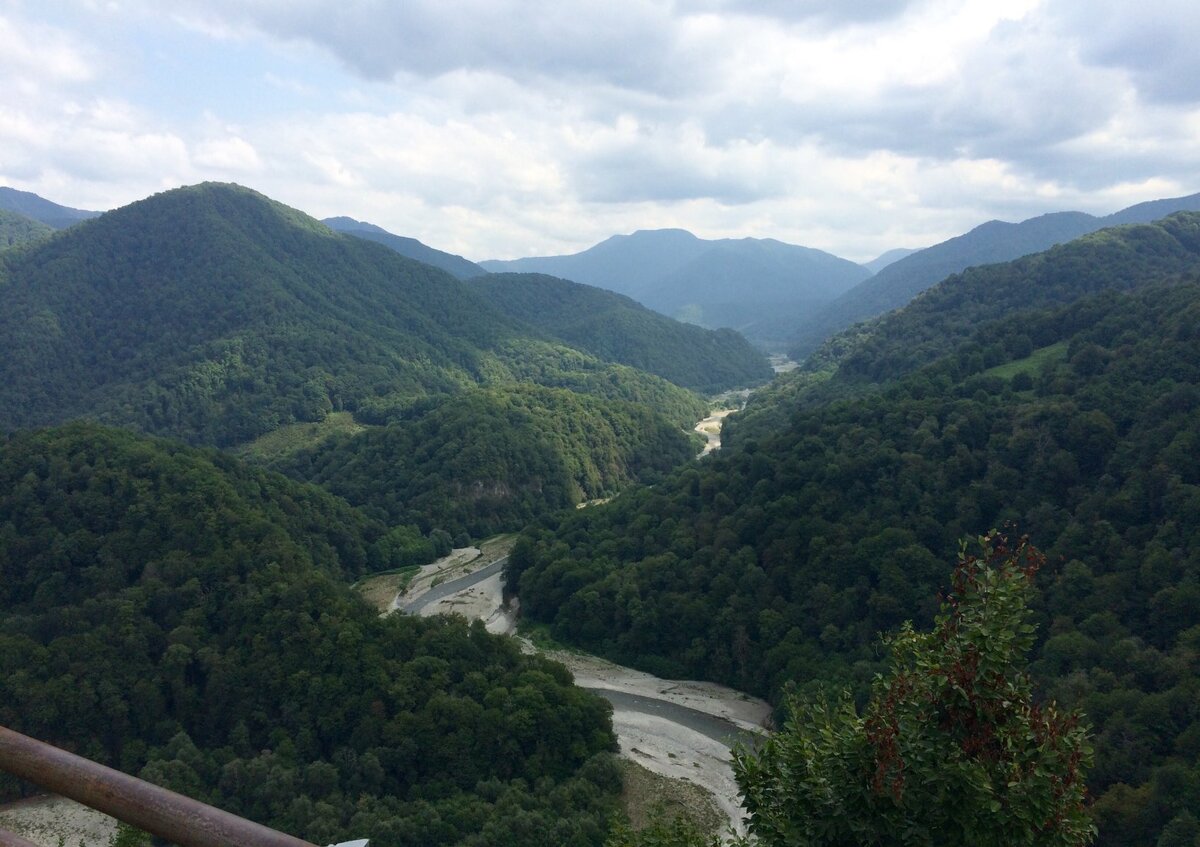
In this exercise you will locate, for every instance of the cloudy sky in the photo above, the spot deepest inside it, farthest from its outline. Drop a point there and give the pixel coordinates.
(502, 128)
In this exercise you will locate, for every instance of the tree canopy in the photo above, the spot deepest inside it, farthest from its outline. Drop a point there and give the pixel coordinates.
(952, 747)
(179, 615)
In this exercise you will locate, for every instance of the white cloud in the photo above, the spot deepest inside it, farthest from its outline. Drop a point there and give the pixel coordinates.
(501, 127)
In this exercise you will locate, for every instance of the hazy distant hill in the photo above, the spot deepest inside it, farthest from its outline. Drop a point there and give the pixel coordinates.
(994, 241)
(410, 247)
(17, 229)
(884, 259)
(723, 283)
(40, 209)
(214, 314)
(618, 329)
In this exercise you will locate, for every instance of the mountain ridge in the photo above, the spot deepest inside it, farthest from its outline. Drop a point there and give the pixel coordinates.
(990, 242)
(40, 209)
(215, 314)
(405, 246)
(729, 282)
(618, 328)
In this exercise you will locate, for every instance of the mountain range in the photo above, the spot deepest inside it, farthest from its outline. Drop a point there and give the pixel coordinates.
(994, 241)
(714, 283)
(214, 314)
(1055, 395)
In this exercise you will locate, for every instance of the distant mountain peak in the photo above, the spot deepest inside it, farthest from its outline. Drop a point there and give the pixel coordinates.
(738, 283)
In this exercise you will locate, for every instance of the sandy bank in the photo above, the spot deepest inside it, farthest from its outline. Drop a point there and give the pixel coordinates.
(710, 428)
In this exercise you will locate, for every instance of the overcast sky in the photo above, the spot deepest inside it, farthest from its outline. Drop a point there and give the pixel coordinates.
(503, 128)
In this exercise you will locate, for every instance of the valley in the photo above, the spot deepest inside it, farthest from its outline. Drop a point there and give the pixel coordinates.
(676, 729)
(227, 425)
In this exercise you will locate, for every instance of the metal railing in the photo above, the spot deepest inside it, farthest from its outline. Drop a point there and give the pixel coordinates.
(179, 819)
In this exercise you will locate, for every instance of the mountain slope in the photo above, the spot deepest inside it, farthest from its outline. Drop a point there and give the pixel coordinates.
(410, 247)
(617, 329)
(994, 241)
(721, 283)
(890, 257)
(214, 314)
(174, 613)
(1119, 258)
(17, 229)
(40, 209)
(783, 558)
(943, 316)
(492, 460)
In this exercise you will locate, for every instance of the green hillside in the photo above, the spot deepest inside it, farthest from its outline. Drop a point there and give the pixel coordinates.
(615, 328)
(783, 558)
(179, 615)
(215, 315)
(870, 353)
(410, 247)
(992, 242)
(492, 460)
(16, 230)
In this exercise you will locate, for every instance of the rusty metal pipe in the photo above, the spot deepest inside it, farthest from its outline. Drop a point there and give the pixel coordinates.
(11, 839)
(181, 820)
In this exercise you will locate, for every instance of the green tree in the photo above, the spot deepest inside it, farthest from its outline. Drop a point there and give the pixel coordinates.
(951, 749)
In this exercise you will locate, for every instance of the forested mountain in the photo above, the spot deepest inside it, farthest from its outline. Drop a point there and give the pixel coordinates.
(213, 314)
(898, 343)
(179, 615)
(40, 209)
(994, 241)
(491, 460)
(782, 559)
(617, 329)
(723, 283)
(16, 229)
(410, 247)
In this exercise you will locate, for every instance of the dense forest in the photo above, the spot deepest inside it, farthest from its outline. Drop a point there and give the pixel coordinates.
(779, 561)
(16, 230)
(492, 460)
(995, 241)
(215, 315)
(871, 353)
(615, 328)
(180, 615)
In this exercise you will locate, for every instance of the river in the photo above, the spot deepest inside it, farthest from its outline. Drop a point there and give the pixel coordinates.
(676, 728)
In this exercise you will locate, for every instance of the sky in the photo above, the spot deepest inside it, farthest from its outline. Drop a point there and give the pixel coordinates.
(506, 128)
